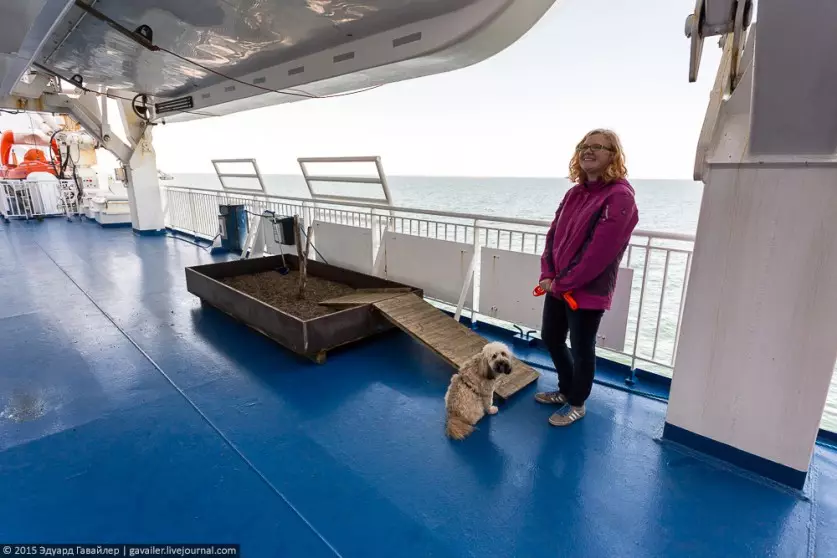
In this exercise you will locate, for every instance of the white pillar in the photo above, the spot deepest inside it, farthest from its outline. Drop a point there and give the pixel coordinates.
(759, 333)
(144, 188)
(758, 340)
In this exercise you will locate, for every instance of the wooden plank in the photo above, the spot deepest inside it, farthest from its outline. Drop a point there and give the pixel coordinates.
(522, 375)
(449, 339)
(359, 298)
(401, 290)
(420, 320)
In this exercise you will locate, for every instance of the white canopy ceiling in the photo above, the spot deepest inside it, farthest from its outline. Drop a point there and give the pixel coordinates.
(316, 47)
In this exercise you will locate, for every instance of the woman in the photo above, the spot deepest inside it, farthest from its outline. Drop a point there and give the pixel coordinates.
(584, 246)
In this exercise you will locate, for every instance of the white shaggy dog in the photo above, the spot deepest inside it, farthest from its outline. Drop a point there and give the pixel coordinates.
(471, 391)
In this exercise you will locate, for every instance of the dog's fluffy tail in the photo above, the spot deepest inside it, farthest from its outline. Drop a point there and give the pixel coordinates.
(457, 428)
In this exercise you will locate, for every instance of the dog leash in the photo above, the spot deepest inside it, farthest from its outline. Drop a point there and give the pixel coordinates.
(567, 296)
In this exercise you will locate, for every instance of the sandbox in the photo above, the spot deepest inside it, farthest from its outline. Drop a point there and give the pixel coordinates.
(254, 292)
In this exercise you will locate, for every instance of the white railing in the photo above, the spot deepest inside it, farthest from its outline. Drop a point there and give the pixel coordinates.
(661, 261)
(27, 199)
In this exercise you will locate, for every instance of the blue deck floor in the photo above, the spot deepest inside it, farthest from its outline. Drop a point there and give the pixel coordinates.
(180, 425)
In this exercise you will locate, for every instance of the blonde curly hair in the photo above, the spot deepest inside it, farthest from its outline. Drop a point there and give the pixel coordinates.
(615, 170)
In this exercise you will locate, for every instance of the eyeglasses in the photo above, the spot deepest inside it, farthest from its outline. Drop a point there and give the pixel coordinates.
(594, 147)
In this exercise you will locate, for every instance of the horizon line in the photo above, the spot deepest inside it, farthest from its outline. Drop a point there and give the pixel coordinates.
(397, 175)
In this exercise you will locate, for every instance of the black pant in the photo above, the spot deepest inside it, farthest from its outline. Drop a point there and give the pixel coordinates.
(575, 367)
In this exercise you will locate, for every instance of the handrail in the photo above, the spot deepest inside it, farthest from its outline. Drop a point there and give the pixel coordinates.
(190, 210)
(438, 213)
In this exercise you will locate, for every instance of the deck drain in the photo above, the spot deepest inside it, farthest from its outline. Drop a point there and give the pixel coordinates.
(24, 407)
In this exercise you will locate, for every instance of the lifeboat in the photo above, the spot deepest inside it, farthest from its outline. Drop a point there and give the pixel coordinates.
(34, 160)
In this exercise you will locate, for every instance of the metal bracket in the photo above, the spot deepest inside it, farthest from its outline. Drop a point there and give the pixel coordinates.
(743, 17)
(254, 244)
(696, 30)
(469, 277)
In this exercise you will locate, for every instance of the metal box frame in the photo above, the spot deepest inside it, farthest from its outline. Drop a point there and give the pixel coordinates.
(310, 338)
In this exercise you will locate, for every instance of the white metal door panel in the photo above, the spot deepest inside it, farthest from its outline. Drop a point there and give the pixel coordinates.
(506, 282)
(614, 324)
(436, 266)
(344, 246)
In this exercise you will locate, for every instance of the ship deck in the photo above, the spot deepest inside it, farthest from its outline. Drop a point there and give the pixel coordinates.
(140, 416)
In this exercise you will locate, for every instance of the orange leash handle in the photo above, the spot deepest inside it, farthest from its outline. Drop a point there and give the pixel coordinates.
(568, 297)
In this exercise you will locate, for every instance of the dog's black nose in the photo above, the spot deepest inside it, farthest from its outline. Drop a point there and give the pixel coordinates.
(505, 367)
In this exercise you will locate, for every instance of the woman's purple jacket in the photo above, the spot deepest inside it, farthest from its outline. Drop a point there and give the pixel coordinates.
(587, 239)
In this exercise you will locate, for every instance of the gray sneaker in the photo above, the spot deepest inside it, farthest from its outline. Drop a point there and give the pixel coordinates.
(551, 398)
(560, 418)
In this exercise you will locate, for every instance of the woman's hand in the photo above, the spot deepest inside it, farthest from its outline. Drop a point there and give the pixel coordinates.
(546, 285)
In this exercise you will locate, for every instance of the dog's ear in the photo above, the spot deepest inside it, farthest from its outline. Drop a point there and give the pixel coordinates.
(485, 366)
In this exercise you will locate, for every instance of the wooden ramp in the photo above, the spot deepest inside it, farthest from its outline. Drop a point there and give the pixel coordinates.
(360, 297)
(451, 340)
